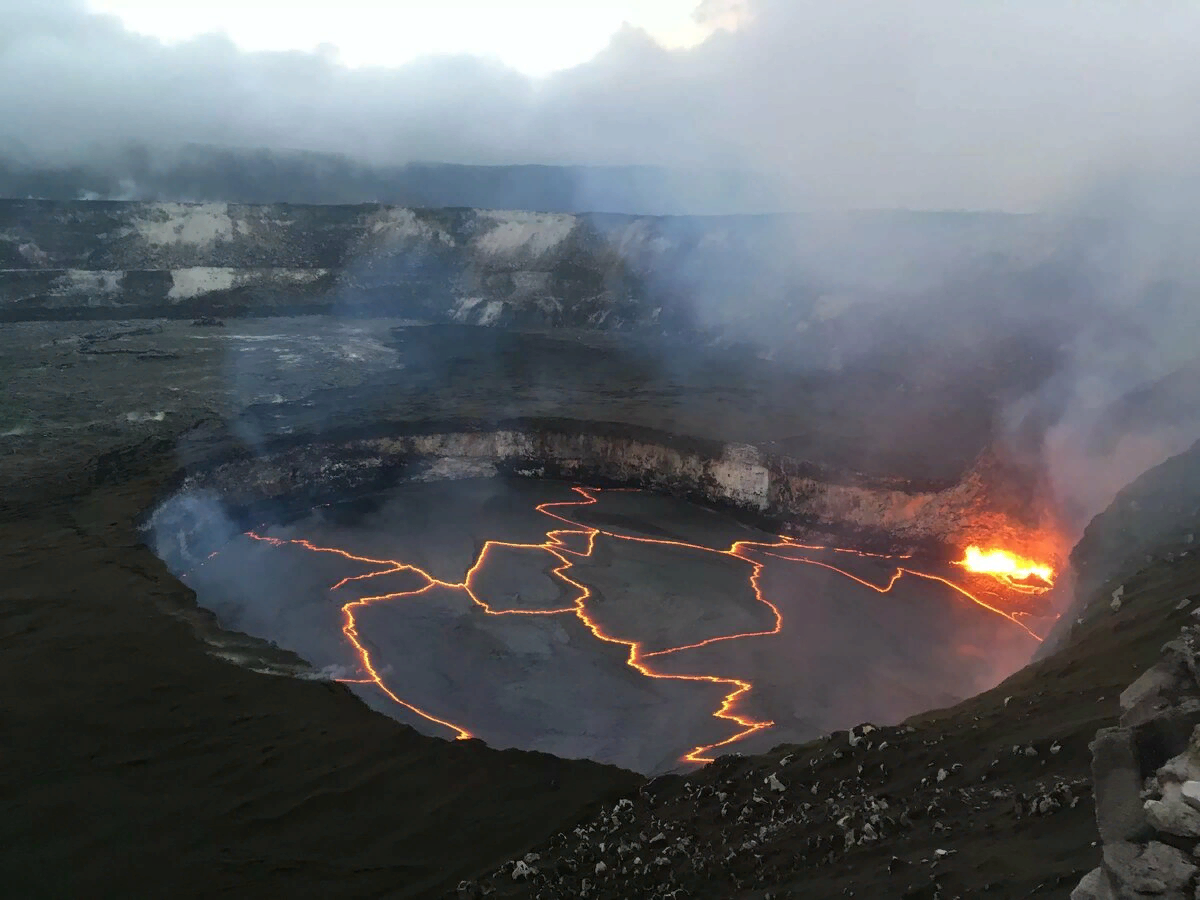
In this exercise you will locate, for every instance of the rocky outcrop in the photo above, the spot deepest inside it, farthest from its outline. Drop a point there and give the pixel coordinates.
(1146, 775)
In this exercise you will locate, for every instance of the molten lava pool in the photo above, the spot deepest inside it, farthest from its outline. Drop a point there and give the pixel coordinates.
(614, 625)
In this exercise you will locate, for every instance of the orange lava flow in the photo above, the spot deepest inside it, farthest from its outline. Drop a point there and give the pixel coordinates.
(557, 544)
(1016, 572)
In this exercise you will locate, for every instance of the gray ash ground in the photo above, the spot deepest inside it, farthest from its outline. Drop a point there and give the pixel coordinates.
(74, 389)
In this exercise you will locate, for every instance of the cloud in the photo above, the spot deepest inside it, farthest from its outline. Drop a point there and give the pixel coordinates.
(1087, 110)
(860, 103)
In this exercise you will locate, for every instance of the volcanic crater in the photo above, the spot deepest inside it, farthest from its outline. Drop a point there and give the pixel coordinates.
(593, 590)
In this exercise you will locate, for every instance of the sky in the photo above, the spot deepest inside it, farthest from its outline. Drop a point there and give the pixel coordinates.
(989, 104)
(534, 37)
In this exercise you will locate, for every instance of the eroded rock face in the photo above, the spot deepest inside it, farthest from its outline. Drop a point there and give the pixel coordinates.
(737, 477)
(483, 267)
(1146, 772)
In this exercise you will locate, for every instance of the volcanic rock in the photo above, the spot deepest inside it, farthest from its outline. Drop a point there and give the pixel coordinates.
(1173, 815)
(1154, 868)
(1160, 734)
(1118, 785)
(1095, 885)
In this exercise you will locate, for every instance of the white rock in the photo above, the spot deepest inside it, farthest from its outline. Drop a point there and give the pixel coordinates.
(1093, 886)
(1190, 792)
(1173, 815)
(1055, 748)
(521, 871)
(774, 783)
(942, 775)
(601, 868)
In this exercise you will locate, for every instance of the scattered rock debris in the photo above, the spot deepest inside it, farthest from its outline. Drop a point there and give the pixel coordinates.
(759, 823)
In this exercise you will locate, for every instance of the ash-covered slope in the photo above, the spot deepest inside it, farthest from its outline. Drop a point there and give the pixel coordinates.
(1155, 517)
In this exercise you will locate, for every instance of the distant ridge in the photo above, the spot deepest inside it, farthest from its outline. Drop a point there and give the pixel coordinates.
(242, 175)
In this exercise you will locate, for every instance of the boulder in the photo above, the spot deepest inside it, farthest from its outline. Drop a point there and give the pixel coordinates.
(1185, 766)
(1117, 778)
(1173, 815)
(1164, 734)
(1156, 869)
(1190, 791)
(1093, 886)
(1150, 693)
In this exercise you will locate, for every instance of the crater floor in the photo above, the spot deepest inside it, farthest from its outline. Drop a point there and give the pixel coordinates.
(614, 625)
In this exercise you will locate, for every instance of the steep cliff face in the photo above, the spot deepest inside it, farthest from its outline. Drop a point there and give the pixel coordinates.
(773, 490)
(105, 259)
(800, 277)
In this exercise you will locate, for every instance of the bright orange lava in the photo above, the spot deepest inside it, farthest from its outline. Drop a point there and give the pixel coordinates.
(558, 543)
(1015, 571)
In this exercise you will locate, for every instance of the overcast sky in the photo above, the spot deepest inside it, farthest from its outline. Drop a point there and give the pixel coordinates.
(1006, 104)
(535, 37)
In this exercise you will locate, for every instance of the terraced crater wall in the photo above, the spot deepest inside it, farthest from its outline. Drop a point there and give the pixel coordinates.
(117, 259)
(773, 491)
(114, 259)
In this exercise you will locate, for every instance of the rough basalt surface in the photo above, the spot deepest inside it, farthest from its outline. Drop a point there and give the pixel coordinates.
(1146, 771)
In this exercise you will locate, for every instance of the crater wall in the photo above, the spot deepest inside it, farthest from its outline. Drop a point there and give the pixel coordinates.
(776, 491)
(796, 274)
(102, 259)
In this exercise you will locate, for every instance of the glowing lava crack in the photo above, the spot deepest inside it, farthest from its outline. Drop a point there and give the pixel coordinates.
(1007, 569)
